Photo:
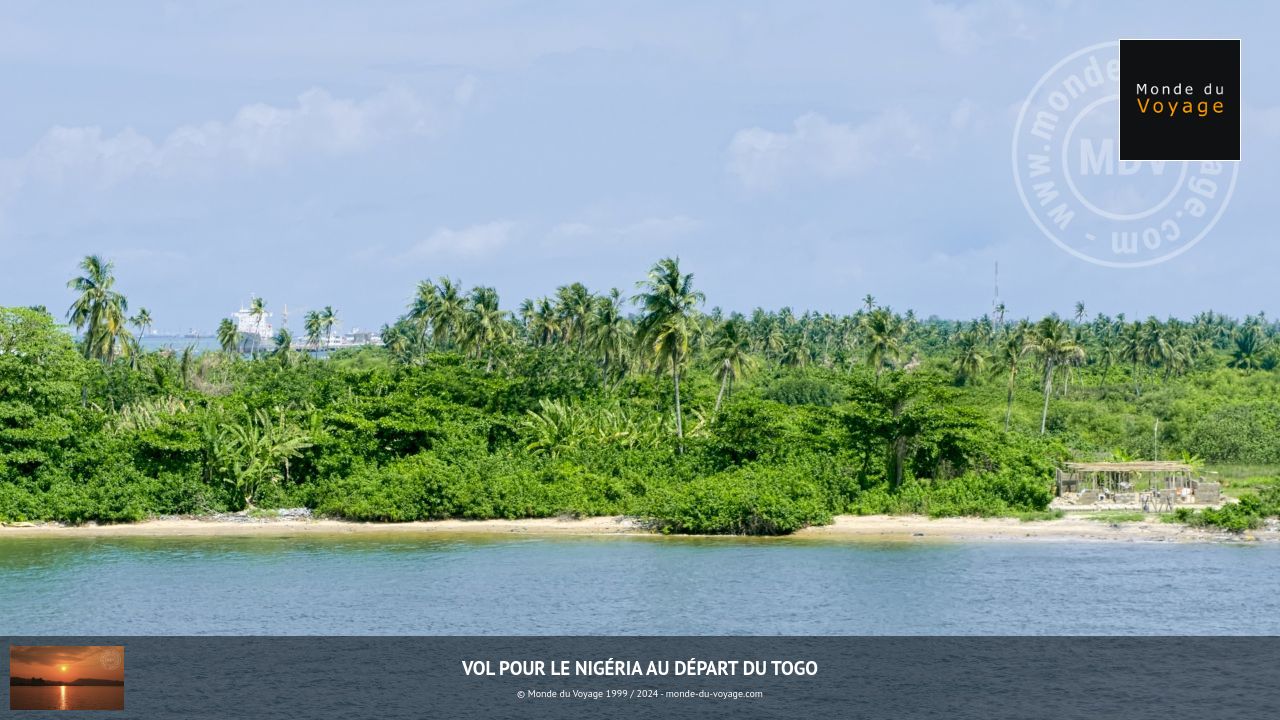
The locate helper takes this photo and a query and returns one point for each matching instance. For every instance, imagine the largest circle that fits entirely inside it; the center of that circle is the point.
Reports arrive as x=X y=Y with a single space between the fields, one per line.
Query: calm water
x=63 y=697
x=393 y=585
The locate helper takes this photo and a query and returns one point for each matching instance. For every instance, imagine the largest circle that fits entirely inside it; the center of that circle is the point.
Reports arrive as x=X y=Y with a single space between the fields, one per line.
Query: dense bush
x=979 y=494
x=1248 y=514
x=742 y=501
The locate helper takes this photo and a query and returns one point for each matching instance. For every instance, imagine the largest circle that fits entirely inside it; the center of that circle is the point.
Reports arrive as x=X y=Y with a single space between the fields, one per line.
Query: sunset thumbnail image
x=66 y=677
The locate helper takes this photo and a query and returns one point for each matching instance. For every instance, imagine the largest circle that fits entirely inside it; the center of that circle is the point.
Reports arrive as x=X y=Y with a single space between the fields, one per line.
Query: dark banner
x=636 y=677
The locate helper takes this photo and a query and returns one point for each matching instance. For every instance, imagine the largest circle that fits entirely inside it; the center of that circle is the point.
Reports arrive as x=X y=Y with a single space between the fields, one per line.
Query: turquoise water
x=628 y=585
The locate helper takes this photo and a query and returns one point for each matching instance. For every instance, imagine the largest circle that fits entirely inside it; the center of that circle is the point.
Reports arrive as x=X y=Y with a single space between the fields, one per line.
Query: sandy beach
x=872 y=528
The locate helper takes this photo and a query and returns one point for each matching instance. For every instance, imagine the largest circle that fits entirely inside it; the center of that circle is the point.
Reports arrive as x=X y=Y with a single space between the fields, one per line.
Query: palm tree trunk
x=675 y=374
x=724 y=382
x=1048 y=390
x=1008 y=412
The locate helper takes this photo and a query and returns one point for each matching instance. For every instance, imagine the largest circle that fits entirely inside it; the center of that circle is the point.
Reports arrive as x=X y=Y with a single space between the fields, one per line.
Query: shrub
x=743 y=501
x=1248 y=514
x=805 y=391
x=977 y=494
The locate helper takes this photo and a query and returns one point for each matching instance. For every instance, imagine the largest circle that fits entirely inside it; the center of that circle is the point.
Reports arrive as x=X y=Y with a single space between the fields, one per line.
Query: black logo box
x=1186 y=67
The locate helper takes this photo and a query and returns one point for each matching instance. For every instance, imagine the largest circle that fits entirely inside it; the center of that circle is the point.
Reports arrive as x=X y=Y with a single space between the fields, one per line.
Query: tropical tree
x=1053 y=343
x=574 y=306
x=448 y=313
x=541 y=322
x=882 y=338
x=668 y=304
x=1010 y=352
x=257 y=451
x=283 y=349
x=1135 y=350
x=484 y=324
x=731 y=357
x=99 y=311
x=970 y=358
x=313 y=325
x=421 y=310
x=328 y=319
x=142 y=321
x=185 y=363
x=1250 y=348
x=608 y=331
x=258 y=311
x=228 y=336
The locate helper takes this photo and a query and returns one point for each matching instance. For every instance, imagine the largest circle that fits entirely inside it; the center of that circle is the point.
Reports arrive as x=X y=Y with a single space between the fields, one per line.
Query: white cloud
x=964 y=28
x=647 y=229
x=257 y=135
x=954 y=27
x=476 y=241
x=817 y=147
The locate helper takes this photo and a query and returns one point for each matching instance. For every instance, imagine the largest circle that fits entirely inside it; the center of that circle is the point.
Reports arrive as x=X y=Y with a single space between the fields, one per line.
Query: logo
x=1180 y=100
x=1082 y=196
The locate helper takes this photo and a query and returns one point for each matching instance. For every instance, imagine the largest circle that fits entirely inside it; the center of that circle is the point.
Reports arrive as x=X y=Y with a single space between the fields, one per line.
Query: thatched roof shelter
x=1125 y=477
x=1140 y=466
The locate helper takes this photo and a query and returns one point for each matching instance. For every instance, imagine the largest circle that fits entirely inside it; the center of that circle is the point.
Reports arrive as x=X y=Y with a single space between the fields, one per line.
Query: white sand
x=911 y=528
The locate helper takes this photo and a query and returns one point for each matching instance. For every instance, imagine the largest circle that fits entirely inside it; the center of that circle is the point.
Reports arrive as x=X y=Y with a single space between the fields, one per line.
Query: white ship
x=254 y=329
x=256 y=332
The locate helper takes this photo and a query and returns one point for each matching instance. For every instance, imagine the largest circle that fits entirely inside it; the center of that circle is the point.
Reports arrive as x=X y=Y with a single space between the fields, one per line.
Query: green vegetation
x=588 y=403
x=1250 y=513
x=1117 y=516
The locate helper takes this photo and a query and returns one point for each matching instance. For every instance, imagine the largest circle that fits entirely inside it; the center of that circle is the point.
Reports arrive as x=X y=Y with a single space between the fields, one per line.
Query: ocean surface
x=63 y=697
x=394 y=585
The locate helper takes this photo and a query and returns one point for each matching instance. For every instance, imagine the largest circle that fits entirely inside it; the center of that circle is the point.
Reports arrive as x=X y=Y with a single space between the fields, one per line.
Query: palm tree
x=1011 y=350
x=541 y=322
x=970 y=360
x=422 y=309
x=142 y=321
x=1251 y=348
x=228 y=336
x=484 y=324
x=99 y=310
x=257 y=310
x=283 y=350
x=883 y=333
x=313 y=324
x=574 y=304
x=1052 y=341
x=1134 y=349
x=668 y=304
x=185 y=363
x=730 y=353
x=448 y=313
x=608 y=330
x=328 y=318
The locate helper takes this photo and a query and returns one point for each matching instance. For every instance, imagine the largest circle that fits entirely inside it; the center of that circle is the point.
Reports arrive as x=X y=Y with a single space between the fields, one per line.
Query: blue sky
x=800 y=154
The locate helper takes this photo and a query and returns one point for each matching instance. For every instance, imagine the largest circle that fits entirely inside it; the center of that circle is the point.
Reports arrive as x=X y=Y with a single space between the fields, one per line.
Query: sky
x=791 y=154
x=67 y=662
